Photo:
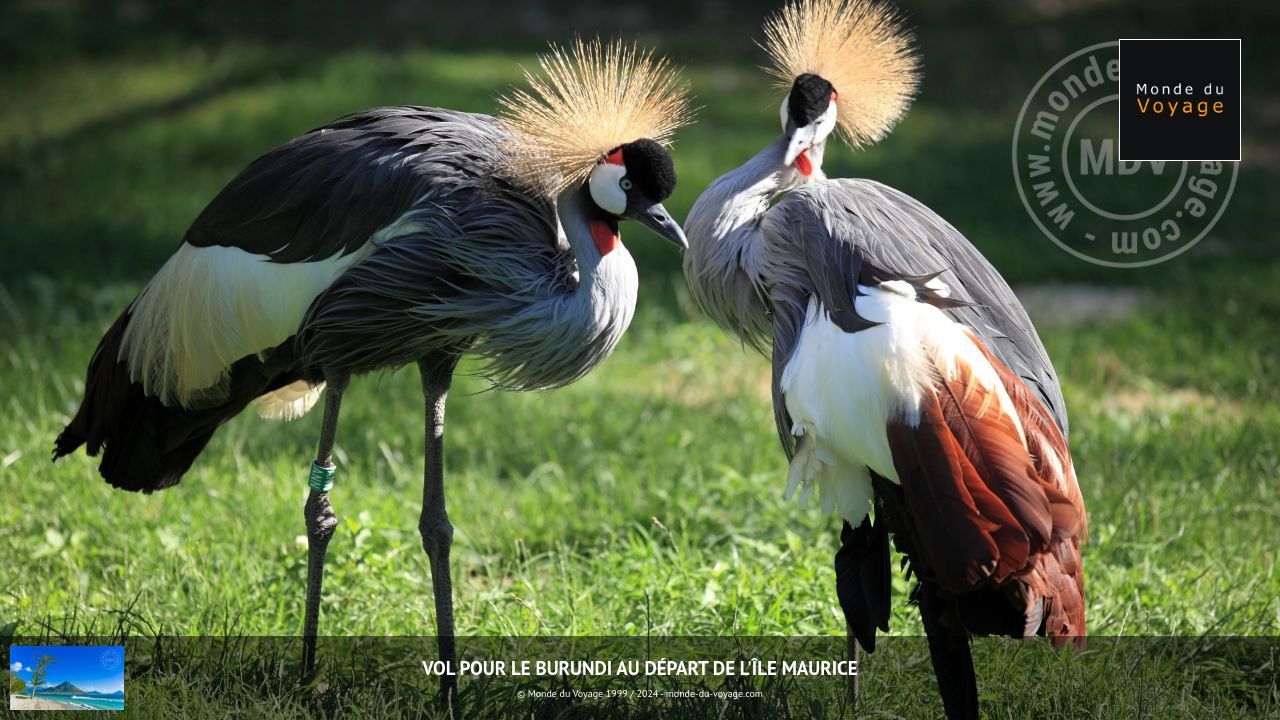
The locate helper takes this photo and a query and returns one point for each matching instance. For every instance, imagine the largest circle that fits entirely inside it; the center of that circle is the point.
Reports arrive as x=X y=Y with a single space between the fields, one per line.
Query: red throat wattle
x=605 y=236
x=804 y=164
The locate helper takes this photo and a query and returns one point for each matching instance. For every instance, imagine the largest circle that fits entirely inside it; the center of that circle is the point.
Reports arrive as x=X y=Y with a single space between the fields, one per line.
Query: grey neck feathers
x=608 y=285
x=561 y=337
x=726 y=246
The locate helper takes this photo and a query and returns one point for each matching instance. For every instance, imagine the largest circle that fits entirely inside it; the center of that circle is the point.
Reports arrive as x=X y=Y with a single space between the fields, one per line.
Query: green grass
x=645 y=499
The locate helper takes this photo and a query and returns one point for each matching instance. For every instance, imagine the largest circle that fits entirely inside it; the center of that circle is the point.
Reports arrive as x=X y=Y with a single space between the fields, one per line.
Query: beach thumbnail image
x=66 y=677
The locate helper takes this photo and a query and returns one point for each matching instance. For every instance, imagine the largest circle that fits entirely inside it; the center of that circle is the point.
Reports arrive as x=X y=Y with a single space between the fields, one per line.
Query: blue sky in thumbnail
x=82 y=666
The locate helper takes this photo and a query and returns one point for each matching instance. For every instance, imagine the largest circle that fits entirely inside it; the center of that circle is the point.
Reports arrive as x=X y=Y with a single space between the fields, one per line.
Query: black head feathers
x=649 y=166
x=809 y=98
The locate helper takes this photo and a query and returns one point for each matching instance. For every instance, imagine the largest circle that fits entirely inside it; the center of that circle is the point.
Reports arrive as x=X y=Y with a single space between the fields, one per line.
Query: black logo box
x=1160 y=76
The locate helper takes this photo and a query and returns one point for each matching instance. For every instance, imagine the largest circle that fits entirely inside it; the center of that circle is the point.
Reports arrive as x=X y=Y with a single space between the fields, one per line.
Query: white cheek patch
x=783 y=113
x=826 y=123
x=605 y=188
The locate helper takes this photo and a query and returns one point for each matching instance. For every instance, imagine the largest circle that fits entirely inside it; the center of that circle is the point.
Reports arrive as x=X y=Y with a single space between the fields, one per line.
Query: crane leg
x=433 y=524
x=852 y=680
x=952 y=659
x=320 y=520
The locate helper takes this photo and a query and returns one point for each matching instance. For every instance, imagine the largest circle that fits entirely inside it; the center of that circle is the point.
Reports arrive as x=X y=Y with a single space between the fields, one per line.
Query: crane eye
x=624 y=183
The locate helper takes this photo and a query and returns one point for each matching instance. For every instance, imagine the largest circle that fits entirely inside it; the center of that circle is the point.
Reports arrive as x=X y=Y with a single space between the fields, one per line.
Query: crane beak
x=801 y=140
x=656 y=218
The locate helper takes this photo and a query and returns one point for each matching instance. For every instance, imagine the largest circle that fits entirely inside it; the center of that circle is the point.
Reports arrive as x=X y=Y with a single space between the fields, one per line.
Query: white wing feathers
x=211 y=306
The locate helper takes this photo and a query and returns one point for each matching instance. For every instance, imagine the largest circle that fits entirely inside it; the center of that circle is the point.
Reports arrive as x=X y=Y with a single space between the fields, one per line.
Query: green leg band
x=321 y=479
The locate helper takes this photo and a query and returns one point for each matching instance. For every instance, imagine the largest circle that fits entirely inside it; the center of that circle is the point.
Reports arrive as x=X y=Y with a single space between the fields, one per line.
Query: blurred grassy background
x=648 y=496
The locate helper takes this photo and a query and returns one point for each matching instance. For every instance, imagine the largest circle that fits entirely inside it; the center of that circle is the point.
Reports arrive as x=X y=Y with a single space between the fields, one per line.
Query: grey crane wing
x=291 y=224
x=820 y=233
x=474 y=267
x=326 y=192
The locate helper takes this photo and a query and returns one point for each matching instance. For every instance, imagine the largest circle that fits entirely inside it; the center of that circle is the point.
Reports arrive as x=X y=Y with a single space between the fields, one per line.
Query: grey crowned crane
x=910 y=389
x=395 y=235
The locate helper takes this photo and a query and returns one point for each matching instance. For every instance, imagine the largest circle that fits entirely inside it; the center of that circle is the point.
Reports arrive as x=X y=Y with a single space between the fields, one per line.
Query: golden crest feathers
x=860 y=47
x=589 y=99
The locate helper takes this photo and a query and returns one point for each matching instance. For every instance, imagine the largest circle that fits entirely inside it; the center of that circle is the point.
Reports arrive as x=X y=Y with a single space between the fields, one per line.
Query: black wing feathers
x=328 y=191
x=146 y=445
x=862 y=580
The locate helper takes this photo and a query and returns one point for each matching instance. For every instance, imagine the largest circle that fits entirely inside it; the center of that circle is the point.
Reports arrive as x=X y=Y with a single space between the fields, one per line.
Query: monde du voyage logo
x=1125 y=153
